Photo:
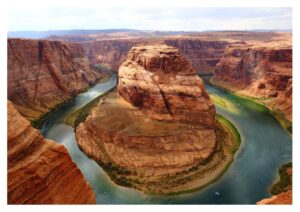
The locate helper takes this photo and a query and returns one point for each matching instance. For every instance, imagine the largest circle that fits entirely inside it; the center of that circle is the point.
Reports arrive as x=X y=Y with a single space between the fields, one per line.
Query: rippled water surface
x=265 y=147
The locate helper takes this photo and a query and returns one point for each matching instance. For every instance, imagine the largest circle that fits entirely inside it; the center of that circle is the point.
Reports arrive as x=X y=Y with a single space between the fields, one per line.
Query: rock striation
x=160 y=81
x=155 y=132
x=202 y=54
x=41 y=171
x=110 y=53
x=261 y=71
x=43 y=74
x=284 y=198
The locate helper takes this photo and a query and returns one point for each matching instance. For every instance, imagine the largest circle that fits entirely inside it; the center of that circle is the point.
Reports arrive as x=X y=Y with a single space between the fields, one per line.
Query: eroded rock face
x=258 y=71
x=43 y=74
x=203 y=55
x=108 y=52
x=158 y=80
x=284 y=198
x=41 y=171
x=159 y=126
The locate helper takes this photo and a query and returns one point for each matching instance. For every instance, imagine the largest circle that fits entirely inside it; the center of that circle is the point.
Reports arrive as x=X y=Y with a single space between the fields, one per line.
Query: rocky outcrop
x=260 y=71
x=158 y=80
x=41 y=171
x=43 y=74
x=154 y=133
x=110 y=53
x=202 y=54
x=284 y=198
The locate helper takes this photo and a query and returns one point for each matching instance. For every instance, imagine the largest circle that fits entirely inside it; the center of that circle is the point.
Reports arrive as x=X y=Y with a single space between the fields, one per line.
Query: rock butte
x=158 y=80
x=160 y=124
x=203 y=55
x=41 y=171
x=43 y=74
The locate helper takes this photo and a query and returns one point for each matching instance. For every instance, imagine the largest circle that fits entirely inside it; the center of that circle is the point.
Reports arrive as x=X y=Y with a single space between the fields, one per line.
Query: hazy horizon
x=53 y=17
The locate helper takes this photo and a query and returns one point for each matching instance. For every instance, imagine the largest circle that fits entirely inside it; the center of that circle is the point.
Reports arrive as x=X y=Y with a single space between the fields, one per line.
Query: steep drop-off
x=158 y=134
x=41 y=171
x=110 y=53
x=259 y=71
x=43 y=74
x=202 y=54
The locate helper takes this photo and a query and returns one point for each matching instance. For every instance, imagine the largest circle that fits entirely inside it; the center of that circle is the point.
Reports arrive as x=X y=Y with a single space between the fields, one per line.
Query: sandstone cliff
x=43 y=74
x=284 y=198
x=159 y=80
x=41 y=171
x=108 y=52
x=158 y=133
x=202 y=54
x=258 y=71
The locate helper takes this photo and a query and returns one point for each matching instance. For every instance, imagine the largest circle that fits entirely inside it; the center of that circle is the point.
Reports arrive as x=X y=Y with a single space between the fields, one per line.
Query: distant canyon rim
x=45 y=73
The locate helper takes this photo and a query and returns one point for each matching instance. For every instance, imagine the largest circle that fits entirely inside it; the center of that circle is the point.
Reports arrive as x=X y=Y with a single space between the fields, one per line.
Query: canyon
x=259 y=71
x=158 y=88
x=134 y=133
x=40 y=171
x=43 y=74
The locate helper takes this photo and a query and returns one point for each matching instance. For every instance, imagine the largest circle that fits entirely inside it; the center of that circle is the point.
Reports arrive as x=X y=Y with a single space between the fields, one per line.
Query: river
x=265 y=147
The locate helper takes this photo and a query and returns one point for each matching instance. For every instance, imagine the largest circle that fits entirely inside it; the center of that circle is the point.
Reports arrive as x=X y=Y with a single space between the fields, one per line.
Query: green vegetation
x=79 y=115
x=218 y=100
x=285 y=182
x=233 y=130
x=228 y=142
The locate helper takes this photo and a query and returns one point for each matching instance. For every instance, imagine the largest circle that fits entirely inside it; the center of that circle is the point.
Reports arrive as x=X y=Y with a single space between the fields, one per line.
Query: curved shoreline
x=278 y=115
x=193 y=179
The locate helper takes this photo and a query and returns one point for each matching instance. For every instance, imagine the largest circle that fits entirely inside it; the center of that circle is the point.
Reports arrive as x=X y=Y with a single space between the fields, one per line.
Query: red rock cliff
x=43 y=74
x=258 y=71
x=41 y=171
x=158 y=79
x=202 y=54
x=108 y=52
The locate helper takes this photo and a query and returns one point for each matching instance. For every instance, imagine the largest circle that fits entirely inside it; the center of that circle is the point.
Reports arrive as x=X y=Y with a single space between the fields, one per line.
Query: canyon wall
x=110 y=53
x=41 y=171
x=258 y=71
x=43 y=74
x=202 y=54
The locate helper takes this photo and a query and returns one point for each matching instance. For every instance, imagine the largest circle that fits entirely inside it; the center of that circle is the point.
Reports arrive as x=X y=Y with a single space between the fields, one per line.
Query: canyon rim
x=129 y=116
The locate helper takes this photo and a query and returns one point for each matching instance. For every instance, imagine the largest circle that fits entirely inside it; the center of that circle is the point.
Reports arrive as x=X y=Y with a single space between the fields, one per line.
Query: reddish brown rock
x=110 y=53
x=284 y=198
x=202 y=54
x=263 y=71
x=158 y=80
x=41 y=171
x=43 y=74
x=157 y=128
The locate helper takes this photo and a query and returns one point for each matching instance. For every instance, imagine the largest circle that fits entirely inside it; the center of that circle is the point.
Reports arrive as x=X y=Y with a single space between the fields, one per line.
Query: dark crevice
x=165 y=102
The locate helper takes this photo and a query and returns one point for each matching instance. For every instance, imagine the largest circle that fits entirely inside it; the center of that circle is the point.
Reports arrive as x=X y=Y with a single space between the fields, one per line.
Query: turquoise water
x=265 y=147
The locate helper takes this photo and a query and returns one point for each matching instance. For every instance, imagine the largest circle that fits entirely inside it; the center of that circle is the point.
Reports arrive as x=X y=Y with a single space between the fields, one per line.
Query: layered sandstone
x=160 y=81
x=202 y=54
x=284 y=198
x=110 y=53
x=159 y=128
x=260 y=71
x=41 y=171
x=43 y=74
